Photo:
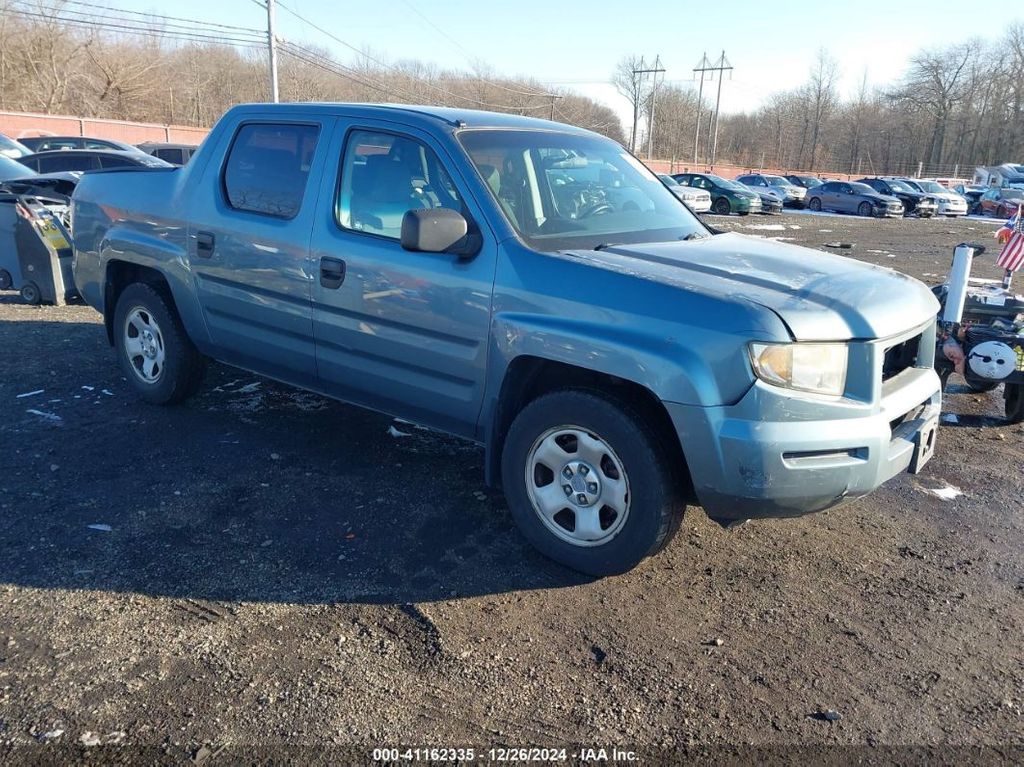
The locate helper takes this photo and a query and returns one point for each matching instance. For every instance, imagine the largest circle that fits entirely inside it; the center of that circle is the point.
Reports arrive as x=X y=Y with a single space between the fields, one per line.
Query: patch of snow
x=769 y=227
x=947 y=493
x=395 y=432
x=51 y=417
x=30 y=393
x=101 y=527
x=950 y=418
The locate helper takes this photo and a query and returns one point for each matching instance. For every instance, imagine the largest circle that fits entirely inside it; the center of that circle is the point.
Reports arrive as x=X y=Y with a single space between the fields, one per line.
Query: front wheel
x=588 y=483
x=156 y=354
x=30 y=293
x=722 y=207
x=815 y=204
x=864 y=209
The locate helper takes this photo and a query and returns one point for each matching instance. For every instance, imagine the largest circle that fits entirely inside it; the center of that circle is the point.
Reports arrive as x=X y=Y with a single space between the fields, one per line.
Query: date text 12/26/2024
x=463 y=755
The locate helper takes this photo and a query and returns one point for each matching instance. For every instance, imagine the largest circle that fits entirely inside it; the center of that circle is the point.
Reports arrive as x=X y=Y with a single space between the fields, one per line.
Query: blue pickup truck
x=528 y=285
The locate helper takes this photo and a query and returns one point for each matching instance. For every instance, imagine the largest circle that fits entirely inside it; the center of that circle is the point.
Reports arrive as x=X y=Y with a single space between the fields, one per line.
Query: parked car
x=915 y=202
x=11 y=148
x=613 y=361
x=949 y=202
x=726 y=196
x=15 y=177
x=175 y=154
x=790 y=193
x=853 y=197
x=771 y=201
x=807 y=182
x=1001 y=203
x=52 y=143
x=89 y=159
x=972 y=193
x=697 y=200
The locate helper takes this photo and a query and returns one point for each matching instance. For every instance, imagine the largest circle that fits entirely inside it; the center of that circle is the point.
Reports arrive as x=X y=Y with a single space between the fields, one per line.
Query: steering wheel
x=596 y=209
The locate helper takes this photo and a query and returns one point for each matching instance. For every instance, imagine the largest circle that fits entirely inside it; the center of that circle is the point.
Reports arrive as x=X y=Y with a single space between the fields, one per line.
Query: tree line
x=56 y=63
x=954 y=108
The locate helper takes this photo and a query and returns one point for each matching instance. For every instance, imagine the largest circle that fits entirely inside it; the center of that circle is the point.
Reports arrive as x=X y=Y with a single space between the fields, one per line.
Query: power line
x=147 y=14
x=144 y=32
x=392 y=68
x=457 y=44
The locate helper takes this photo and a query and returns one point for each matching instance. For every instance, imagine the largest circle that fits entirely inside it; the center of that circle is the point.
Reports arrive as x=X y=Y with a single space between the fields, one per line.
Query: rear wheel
x=587 y=482
x=5 y=280
x=154 y=351
x=30 y=293
x=864 y=209
x=722 y=206
x=1014 y=395
x=815 y=204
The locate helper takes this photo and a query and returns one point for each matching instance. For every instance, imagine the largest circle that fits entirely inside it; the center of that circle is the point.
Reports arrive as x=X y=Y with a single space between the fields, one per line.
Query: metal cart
x=35 y=249
x=984 y=322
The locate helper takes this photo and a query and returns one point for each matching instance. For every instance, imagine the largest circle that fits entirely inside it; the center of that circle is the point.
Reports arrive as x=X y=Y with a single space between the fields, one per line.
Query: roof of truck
x=453 y=116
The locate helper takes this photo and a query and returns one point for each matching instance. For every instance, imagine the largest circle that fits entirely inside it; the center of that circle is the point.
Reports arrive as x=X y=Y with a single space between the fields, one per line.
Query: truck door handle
x=204 y=244
x=332 y=273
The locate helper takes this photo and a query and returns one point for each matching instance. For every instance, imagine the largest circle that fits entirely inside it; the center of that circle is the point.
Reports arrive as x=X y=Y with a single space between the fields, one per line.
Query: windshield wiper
x=606 y=245
x=694 y=236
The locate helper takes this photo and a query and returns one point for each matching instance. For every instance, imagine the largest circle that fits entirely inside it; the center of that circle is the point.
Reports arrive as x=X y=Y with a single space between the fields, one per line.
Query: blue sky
x=576 y=44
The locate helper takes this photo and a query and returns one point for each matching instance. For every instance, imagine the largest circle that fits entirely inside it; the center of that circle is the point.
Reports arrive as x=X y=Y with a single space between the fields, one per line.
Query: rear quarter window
x=267 y=167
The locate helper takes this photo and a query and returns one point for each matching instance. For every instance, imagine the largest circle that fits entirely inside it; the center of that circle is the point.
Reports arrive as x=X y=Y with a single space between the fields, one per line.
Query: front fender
x=669 y=367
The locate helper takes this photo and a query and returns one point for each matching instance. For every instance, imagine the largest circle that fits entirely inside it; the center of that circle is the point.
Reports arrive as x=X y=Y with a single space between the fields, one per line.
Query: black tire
x=183 y=366
x=865 y=209
x=30 y=293
x=981 y=386
x=5 y=280
x=722 y=206
x=815 y=204
x=1014 y=395
x=654 y=501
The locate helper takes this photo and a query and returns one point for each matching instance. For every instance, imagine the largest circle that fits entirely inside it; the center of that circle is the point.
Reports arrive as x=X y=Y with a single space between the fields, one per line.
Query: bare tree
x=628 y=81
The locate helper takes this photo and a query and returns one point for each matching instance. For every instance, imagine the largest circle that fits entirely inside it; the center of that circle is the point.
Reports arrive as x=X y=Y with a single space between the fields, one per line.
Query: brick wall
x=23 y=124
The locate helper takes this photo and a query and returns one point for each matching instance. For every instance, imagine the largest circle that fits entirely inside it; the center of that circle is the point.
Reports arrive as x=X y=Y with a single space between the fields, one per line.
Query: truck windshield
x=562 y=191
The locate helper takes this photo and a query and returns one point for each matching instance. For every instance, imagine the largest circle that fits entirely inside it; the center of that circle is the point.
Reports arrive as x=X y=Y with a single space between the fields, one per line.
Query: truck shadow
x=251 y=491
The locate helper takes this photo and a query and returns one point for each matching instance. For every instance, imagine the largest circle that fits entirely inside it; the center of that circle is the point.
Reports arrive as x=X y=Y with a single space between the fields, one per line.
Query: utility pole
x=721 y=67
x=554 y=97
x=643 y=72
x=654 y=92
x=635 y=84
x=272 y=47
x=701 y=67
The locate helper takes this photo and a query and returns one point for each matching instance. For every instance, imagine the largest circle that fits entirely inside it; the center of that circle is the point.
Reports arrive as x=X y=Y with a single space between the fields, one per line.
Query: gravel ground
x=239 y=570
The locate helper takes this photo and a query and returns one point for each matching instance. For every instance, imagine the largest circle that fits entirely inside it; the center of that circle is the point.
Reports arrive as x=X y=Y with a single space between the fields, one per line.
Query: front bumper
x=777 y=453
x=950 y=208
x=699 y=206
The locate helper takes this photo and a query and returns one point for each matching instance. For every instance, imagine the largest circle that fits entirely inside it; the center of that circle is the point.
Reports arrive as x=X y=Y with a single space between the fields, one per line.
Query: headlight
x=818 y=368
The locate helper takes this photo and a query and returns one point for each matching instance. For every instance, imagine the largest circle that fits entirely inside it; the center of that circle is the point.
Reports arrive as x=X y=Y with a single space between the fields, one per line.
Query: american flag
x=1012 y=256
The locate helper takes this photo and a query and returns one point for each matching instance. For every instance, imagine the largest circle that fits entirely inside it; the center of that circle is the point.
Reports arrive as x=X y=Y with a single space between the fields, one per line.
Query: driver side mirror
x=438 y=230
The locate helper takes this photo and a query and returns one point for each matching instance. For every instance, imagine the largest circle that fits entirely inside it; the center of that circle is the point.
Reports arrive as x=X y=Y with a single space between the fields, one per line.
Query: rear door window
x=62 y=162
x=114 y=161
x=172 y=155
x=268 y=166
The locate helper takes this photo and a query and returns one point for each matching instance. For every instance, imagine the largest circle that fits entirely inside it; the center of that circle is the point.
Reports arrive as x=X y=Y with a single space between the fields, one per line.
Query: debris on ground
x=840 y=245
x=396 y=433
x=101 y=527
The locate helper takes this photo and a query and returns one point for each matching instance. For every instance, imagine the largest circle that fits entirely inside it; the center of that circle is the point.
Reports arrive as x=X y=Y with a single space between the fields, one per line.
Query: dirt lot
x=279 y=568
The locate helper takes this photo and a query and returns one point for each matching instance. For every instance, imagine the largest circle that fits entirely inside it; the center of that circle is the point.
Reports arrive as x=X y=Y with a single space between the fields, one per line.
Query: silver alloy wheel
x=144 y=345
x=577 y=485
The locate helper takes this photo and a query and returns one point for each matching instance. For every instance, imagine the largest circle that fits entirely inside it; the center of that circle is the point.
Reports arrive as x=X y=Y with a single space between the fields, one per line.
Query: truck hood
x=819 y=296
